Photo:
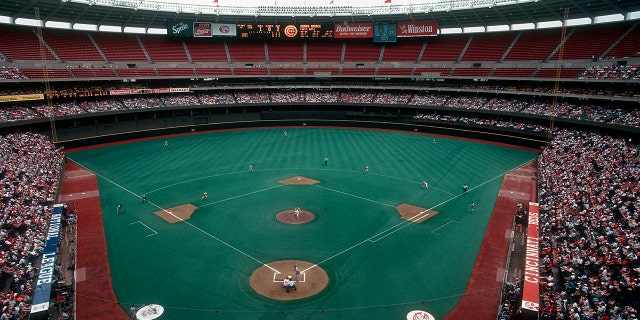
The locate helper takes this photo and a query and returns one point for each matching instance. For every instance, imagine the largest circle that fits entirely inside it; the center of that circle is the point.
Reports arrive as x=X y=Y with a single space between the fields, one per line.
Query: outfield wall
x=105 y=127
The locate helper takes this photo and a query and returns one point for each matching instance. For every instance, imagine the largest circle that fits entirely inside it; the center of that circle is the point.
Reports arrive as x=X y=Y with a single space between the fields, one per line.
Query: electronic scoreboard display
x=284 y=31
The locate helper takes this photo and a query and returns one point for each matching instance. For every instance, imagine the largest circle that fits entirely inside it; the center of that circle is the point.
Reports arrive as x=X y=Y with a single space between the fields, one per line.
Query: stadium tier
x=467 y=55
x=556 y=107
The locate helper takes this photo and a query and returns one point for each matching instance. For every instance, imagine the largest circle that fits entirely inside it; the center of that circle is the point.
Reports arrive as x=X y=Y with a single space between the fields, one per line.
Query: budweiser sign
x=417 y=29
x=355 y=30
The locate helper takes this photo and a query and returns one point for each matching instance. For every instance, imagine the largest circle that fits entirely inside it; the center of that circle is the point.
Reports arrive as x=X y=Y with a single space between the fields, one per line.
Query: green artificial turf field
x=379 y=265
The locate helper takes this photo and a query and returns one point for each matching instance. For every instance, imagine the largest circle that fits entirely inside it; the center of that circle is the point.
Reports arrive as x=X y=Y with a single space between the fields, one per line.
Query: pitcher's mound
x=268 y=282
x=300 y=180
x=415 y=214
x=289 y=216
x=175 y=214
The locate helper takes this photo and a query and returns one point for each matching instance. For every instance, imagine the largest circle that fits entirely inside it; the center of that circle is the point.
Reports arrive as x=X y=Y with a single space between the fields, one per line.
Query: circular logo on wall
x=224 y=29
x=419 y=315
x=290 y=31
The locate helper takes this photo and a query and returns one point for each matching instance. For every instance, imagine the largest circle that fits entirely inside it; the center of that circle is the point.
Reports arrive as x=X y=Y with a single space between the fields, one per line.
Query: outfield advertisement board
x=123 y=92
x=353 y=30
x=178 y=28
x=417 y=28
x=223 y=29
x=202 y=29
x=379 y=32
x=22 y=97
x=208 y=30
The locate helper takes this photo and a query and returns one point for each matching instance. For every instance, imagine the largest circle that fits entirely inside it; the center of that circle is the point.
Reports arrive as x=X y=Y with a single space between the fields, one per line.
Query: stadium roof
x=146 y=14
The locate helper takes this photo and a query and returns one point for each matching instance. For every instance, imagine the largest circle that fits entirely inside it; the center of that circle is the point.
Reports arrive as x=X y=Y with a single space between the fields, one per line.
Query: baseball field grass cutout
x=299 y=180
x=176 y=214
x=267 y=280
x=290 y=217
x=415 y=214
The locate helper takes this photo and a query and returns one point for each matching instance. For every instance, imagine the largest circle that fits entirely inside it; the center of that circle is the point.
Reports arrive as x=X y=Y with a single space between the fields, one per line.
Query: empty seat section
x=37 y=73
x=488 y=47
x=93 y=73
x=321 y=72
x=471 y=72
x=628 y=46
x=357 y=51
x=247 y=71
x=72 y=45
x=213 y=72
x=535 y=45
x=286 y=71
x=444 y=48
x=431 y=72
x=17 y=43
x=136 y=72
x=590 y=42
x=285 y=51
x=162 y=49
x=565 y=73
x=324 y=51
x=119 y=47
x=176 y=72
x=358 y=71
x=407 y=50
x=513 y=72
x=395 y=71
x=202 y=50
x=246 y=51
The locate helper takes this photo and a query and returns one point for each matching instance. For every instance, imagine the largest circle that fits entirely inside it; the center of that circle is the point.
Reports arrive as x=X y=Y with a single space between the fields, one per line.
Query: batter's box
x=415 y=214
x=279 y=277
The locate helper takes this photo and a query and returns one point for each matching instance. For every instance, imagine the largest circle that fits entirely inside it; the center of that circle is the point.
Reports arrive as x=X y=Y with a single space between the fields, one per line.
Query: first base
x=176 y=214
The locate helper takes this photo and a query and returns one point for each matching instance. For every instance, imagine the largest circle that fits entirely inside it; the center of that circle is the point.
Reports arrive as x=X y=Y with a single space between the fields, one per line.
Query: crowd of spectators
x=30 y=168
x=287 y=96
x=180 y=100
x=216 y=98
x=613 y=72
x=511 y=296
x=589 y=197
x=10 y=73
x=322 y=96
x=585 y=111
x=497 y=123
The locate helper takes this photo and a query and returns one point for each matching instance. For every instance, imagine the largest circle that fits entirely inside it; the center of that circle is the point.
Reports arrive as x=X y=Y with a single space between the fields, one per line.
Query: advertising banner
x=353 y=30
x=44 y=284
x=202 y=29
x=221 y=29
x=417 y=28
x=122 y=92
x=22 y=97
x=531 y=283
x=182 y=29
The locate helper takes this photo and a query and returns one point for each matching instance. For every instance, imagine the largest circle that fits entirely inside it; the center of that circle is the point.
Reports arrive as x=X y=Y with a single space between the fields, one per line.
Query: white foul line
x=140 y=222
x=186 y=222
x=400 y=225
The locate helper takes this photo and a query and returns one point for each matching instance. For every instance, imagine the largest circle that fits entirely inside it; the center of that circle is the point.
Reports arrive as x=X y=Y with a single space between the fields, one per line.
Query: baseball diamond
x=374 y=245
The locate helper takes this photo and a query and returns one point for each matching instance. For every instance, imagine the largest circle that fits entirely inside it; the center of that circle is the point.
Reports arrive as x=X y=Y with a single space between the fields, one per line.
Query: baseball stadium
x=337 y=159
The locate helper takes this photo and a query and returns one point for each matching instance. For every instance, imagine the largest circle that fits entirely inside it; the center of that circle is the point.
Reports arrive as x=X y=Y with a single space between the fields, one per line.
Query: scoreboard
x=284 y=31
x=384 y=32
